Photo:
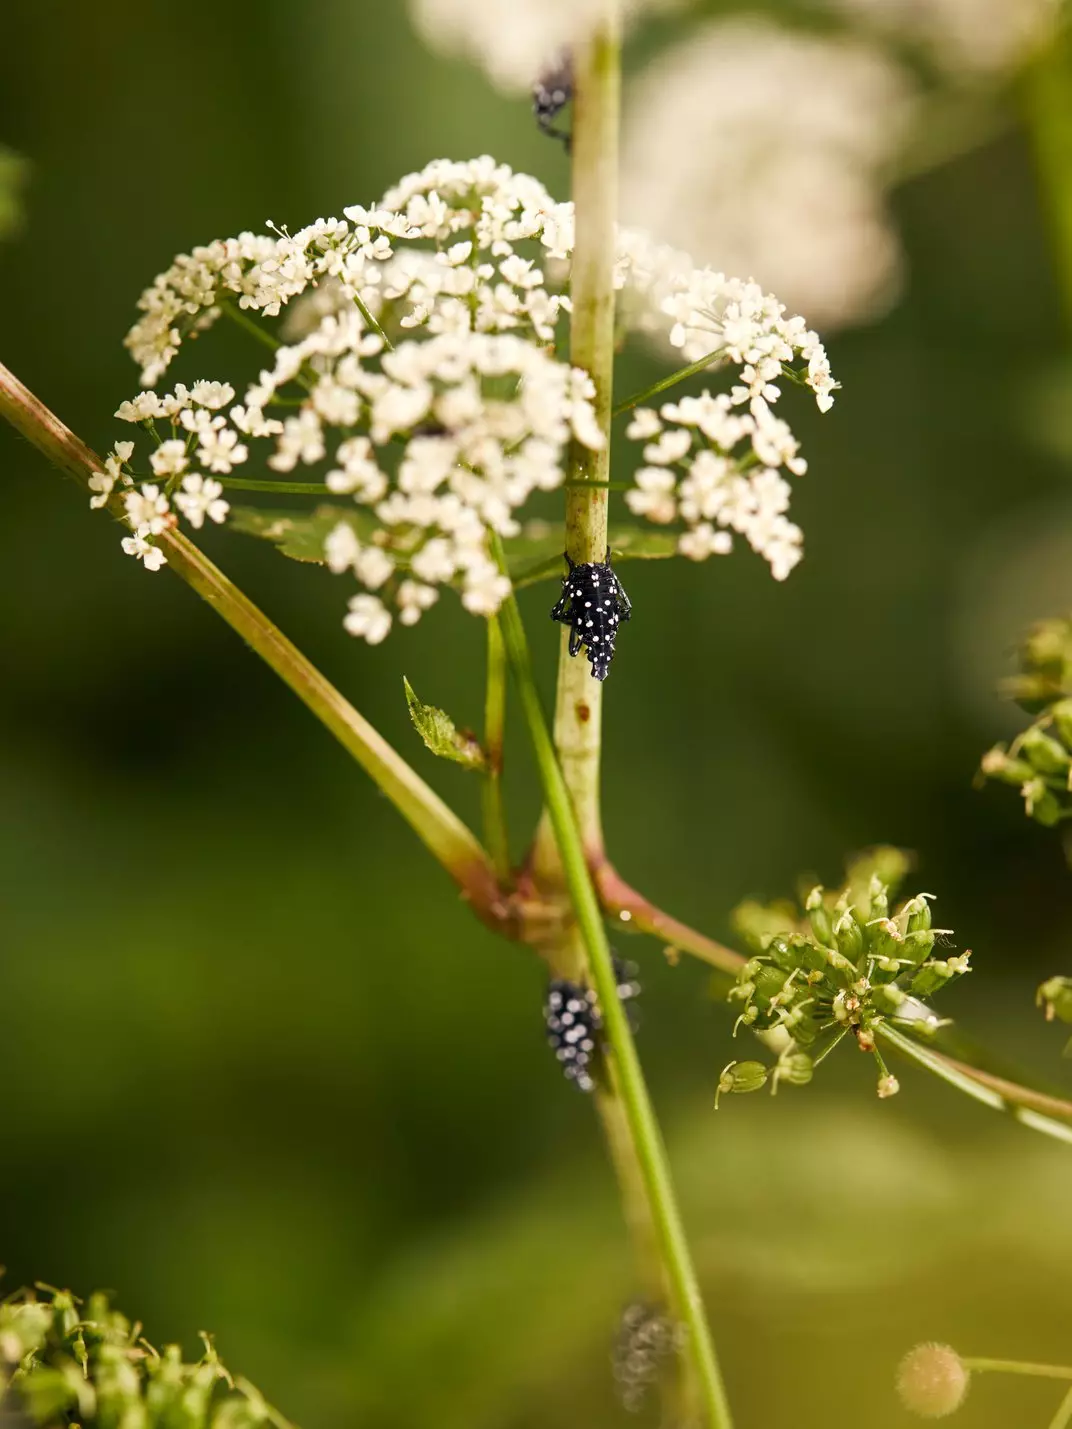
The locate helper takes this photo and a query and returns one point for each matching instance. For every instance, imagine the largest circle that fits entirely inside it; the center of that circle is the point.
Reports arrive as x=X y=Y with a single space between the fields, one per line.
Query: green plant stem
x=1047 y=88
x=495 y=836
x=373 y=324
x=239 y=317
x=1021 y=1103
x=1038 y=1371
x=626 y=1076
x=281 y=488
x=579 y=699
x=665 y=383
x=438 y=827
x=1063 y=1418
x=627 y=906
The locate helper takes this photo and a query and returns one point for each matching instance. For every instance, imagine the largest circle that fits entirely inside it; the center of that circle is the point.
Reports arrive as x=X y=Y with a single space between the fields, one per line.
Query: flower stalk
x=495 y=835
x=437 y=826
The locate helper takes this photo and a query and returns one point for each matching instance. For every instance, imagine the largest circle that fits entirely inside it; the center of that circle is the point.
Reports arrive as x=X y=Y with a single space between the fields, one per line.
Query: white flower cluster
x=715 y=468
x=966 y=38
x=513 y=39
x=420 y=373
x=796 y=130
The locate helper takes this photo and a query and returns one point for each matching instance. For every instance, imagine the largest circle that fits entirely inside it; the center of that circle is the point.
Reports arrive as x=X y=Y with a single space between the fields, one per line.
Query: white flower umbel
x=966 y=38
x=715 y=469
x=440 y=424
x=760 y=148
x=512 y=40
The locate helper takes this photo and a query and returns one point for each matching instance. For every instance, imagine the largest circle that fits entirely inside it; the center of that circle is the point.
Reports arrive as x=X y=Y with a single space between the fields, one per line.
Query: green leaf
x=442 y=735
x=301 y=534
x=536 y=555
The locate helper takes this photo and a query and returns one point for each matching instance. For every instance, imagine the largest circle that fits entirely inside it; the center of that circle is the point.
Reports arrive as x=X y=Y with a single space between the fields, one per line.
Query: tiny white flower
x=147 y=509
x=169 y=459
x=373 y=566
x=139 y=546
x=220 y=450
x=341 y=548
x=141 y=408
x=368 y=618
x=213 y=395
x=644 y=425
x=199 y=498
x=413 y=600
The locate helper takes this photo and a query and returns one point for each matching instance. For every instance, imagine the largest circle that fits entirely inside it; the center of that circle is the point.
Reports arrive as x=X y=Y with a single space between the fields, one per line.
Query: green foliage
x=61 y=1364
x=441 y=734
x=1039 y=761
x=1055 y=995
x=840 y=966
x=13 y=171
x=533 y=556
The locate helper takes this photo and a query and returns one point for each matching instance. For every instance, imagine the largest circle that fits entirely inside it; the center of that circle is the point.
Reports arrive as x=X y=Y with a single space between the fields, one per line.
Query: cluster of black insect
x=646 y=1339
x=551 y=93
x=593 y=603
x=573 y=1021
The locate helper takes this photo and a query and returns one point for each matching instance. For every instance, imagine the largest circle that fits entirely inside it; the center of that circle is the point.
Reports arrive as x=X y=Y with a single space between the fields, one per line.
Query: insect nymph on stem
x=551 y=93
x=593 y=603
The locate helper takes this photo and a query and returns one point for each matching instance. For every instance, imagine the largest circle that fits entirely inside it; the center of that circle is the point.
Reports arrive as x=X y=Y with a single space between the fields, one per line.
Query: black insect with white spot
x=593 y=603
x=550 y=95
x=574 y=1022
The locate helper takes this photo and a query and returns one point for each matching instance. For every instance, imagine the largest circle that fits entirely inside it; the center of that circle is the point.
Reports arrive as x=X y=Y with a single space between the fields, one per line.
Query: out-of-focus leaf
x=300 y=534
x=536 y=555
x=13 y=171
x=441 y=734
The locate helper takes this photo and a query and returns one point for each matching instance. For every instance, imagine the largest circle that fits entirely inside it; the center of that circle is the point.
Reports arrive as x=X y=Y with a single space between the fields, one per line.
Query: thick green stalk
x=494 y=722
x=438 y=827
x=645 y=1148
x=579 y=701
x=1063 y=1418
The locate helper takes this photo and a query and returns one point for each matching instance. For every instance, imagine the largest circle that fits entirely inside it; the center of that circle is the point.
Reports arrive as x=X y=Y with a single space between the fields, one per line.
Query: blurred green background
x=261 y=1071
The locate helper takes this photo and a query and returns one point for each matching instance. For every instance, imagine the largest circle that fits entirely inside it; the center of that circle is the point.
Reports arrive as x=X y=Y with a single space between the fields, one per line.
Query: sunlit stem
x=495 y=835
x=1018 y=1102
x=241 y=319
x=1063 y=1418
x=644 y=1148
x=439 y=828
x=713 y=359
x=1048 y=100
x=373 y=324
x=281 y=488
x=1038 y=1371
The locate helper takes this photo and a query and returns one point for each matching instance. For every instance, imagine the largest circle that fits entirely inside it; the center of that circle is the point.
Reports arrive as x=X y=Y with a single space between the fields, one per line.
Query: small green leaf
x=441 y=735
x=536 y=554
x=301 y=534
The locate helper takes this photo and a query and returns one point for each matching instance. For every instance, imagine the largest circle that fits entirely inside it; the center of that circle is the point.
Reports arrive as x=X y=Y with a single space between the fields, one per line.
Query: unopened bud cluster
x=1039 y=761
x=1055 y=995
x=62 y=1362
x=840 y=968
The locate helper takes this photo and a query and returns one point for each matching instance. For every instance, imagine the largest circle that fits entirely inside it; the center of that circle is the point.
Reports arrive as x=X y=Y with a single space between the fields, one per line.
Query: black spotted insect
x=551 y=93
x=574 y=1023
x=593 y=603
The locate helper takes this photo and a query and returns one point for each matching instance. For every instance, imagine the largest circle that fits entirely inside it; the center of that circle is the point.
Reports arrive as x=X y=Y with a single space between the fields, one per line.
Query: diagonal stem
x=645 y=1145
x=495 y=835
x=438 y=827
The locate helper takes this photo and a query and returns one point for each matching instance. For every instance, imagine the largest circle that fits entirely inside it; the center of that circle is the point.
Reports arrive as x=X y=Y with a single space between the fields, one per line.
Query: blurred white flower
x=758 y=149
x=140 y=546
x=201 y=497
x=968 y=37
x=512 y=40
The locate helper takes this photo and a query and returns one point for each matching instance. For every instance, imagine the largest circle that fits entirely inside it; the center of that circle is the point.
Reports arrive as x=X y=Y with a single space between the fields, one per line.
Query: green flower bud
x=779 y=951
x=880 y=898
x=741 y=1077
x=1056 y=995
x=888 y=997
x=888 y=1086
x=997 y=763
x=769 y=982
x=819 y=917
x=918 y=946
x=797 y=1068
x=849 y=936
x=932 y=1381
x=918 y=911
x=1041 y=803
x=885 y=939
x=1062 y=720
x=1043 y=752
